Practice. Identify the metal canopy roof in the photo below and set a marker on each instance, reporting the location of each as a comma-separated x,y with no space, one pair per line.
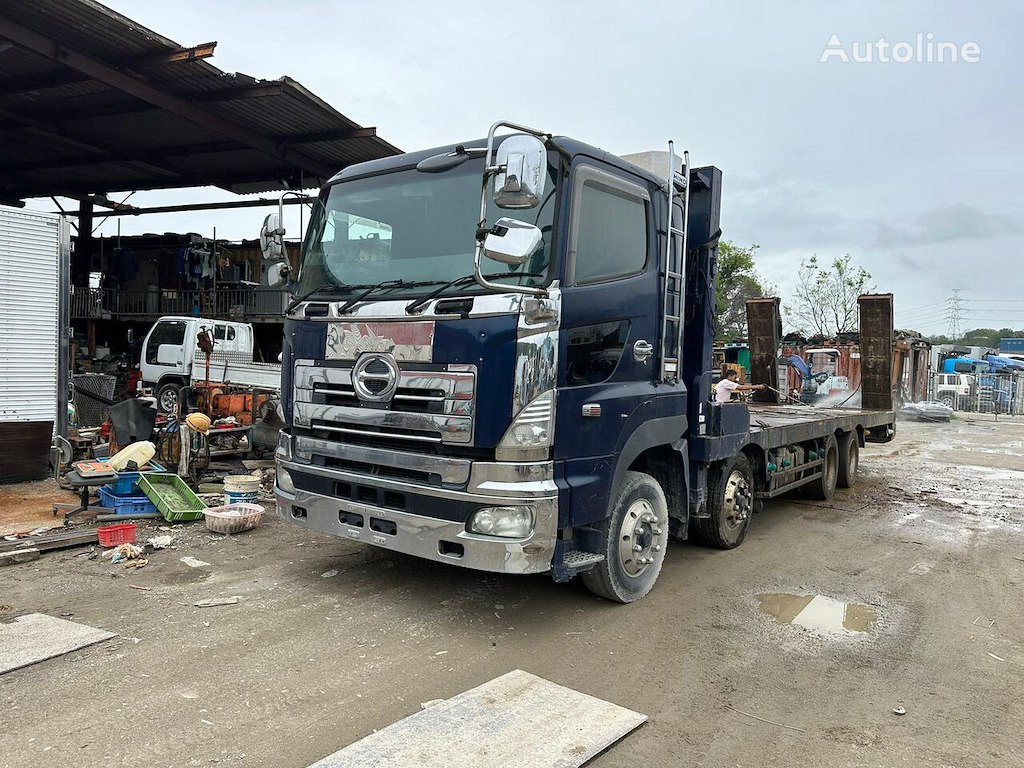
91,102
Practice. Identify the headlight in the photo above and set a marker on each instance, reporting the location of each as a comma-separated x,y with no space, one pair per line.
531,433
507,522
284,480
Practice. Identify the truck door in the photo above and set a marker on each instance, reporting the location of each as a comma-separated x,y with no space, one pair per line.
164,352
609,329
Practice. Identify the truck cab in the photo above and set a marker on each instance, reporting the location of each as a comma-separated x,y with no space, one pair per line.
514,375
168,351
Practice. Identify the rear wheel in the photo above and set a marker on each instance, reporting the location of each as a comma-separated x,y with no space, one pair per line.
948,399
849,459
730,502
635,537
824,487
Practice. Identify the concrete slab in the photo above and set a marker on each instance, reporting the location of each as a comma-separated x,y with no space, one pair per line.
515,719
36,637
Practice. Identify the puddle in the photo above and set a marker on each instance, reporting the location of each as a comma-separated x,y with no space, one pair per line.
818,612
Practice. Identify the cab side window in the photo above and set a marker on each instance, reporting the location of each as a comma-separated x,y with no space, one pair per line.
609,238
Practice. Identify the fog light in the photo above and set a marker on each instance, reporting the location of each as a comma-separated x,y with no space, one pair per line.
284,480
507,522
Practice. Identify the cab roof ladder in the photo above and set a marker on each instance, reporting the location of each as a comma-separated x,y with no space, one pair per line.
674,288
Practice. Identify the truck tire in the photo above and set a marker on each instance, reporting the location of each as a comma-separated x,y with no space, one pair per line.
849,459
730,502
824,487
635,536
167,397
948,399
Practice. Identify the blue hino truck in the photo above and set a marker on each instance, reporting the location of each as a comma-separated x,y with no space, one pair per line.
499,356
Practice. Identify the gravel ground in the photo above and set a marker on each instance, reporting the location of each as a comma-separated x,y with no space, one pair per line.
329,640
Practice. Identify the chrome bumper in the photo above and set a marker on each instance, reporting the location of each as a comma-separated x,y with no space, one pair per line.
442,541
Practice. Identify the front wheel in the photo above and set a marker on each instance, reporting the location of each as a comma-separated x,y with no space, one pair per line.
635,537
167,398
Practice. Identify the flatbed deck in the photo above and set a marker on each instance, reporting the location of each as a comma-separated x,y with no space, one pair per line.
775,426
772,426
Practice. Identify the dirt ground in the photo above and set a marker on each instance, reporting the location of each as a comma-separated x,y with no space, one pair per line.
27,506
329,640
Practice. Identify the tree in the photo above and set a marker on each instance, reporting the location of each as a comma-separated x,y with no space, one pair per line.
826,297
736,282
980,337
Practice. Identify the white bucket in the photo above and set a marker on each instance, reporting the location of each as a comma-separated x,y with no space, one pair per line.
241,484
240,497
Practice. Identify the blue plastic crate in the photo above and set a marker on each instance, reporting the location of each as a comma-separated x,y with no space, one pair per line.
134,503
128,482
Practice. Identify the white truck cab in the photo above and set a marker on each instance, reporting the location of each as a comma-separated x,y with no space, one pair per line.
169,348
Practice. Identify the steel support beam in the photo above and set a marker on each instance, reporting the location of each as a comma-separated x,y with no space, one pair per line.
33,83
262,202
50,134
160,153
115,78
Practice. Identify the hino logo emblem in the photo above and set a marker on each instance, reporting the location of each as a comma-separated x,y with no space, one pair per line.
375,377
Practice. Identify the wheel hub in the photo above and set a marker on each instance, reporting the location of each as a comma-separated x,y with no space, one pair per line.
639,537
169,402
739,499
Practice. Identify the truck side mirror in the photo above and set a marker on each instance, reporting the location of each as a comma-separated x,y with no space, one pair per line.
512,242
522,160
272,237
277,274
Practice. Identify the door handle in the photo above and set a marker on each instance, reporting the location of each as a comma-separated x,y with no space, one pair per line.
642,351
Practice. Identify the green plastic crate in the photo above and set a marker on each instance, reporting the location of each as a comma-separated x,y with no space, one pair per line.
172,496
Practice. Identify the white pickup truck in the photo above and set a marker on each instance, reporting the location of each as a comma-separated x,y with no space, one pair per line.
171,358
954,389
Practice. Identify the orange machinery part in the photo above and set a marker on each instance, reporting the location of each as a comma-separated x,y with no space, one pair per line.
239,406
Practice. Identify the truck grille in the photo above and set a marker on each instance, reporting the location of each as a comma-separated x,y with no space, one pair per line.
432,405
405,398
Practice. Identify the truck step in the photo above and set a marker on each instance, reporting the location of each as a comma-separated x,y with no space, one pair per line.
577,558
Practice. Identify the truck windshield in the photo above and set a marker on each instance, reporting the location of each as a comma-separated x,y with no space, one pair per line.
412,226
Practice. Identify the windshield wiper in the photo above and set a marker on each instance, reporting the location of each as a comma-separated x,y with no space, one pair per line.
322,288
384,284
415,304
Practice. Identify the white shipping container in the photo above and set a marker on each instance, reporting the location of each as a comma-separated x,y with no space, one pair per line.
30,259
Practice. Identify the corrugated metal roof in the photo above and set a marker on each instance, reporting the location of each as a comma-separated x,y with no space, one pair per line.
67,129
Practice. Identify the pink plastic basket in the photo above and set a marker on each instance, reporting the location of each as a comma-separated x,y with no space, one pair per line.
233,518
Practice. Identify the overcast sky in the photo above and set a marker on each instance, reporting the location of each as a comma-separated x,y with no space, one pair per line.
913,168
